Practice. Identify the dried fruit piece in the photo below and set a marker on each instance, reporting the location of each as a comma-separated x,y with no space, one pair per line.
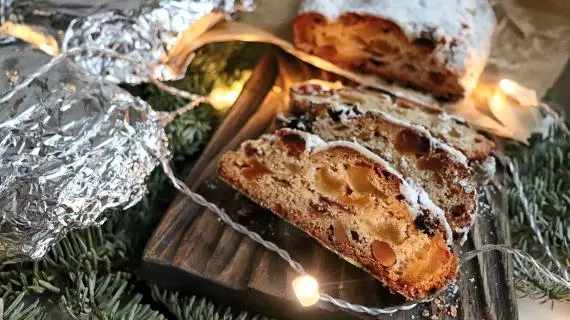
427,223
354,235
432,258
340,232
293,143
383,253
437,78
328,183
360,180
431,163
355,200
254,169
250,150
425,43
410,142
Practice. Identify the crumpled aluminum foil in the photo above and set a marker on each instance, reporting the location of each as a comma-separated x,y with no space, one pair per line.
71,146
5,13
142,39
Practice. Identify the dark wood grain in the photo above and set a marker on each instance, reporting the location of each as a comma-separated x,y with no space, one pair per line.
191,249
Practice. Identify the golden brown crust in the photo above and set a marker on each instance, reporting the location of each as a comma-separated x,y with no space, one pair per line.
305,189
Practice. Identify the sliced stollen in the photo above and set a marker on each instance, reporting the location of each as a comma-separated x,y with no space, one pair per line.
352,202
427,162
447,128
441,46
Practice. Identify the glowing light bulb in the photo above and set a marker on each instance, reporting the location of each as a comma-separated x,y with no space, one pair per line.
306,290
524,96
508,86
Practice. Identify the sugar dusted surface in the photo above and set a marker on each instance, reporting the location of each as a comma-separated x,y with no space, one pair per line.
462,28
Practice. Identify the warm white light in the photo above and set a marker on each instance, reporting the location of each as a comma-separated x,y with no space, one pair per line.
508,86
524,96
223,97
306,289
496,102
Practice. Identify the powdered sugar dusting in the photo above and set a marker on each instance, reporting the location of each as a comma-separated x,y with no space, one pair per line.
462,29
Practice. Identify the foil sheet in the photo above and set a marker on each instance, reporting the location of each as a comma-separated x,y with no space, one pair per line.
5,15
141,39
71,146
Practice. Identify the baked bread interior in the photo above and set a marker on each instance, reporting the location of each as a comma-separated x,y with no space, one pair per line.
351,201
442,171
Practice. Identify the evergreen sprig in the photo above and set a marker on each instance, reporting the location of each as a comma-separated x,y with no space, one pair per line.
93,273
544,171
191,308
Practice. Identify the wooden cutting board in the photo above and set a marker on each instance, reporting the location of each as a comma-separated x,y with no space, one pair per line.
191,250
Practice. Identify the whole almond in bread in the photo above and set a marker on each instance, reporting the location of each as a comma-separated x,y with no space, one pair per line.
440,46
352,202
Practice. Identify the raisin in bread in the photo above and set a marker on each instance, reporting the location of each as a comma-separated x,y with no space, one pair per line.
429,163
440,46
447,128
352,202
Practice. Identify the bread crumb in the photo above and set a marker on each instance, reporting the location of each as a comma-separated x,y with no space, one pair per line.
453,311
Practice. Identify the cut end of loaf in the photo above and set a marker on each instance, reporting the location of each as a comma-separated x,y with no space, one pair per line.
352,203
373,45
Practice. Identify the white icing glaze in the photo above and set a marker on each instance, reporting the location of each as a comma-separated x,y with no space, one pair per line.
414,195
462,29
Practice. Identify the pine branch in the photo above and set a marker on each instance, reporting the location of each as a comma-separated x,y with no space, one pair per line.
190,308
544,171
15,307
92,297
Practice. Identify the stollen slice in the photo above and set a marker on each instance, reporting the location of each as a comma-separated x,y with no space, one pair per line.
352,202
